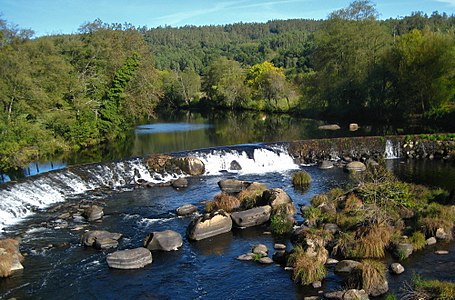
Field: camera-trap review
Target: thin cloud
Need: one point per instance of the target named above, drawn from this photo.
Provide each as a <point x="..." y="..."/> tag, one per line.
<point x="450" y="2"/>
<point x="269" y="4"/>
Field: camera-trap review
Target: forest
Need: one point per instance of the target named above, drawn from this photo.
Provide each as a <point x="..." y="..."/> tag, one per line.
<point x="65" y="93"/>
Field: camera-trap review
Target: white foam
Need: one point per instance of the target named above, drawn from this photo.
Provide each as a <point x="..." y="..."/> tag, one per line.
<point x="391" y="151"/>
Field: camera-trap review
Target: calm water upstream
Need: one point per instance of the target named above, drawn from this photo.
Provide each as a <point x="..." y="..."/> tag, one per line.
<point x="56" y="266"/>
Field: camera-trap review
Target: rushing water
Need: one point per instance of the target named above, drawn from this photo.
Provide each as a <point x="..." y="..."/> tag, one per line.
<point x="56" y="266"/>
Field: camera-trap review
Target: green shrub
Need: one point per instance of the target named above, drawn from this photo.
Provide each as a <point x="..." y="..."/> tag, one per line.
<point x="306" y="269"/>
<point x="371" y="241"/>
<point x="417" y="240"/>
<point x="281" y="224"/>
<point x="301" y="179"/>
<point x="368" y="275"/>
<point x="313" y="215"/>
<point x="318" y="200"/>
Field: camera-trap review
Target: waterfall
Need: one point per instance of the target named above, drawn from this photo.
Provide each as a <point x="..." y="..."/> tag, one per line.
<point x="250" y="160"/>
<point x="392" y="151"/>
<point x="21" y="199"/>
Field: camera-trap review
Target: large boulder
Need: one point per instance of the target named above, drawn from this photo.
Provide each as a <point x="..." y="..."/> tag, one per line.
<point x="93" y="213"/>
<point x="346" y="266"/>
<point x="275" y="198"/>
<point x="233" y="185"/>
<point x="10" y="257"/>
<point x="186" y="210"/>
<point x="252" y="217"/>
<point x="129" y="259"/>
<point x="354" y="294"/>
<point x="166" y="240"/>
<point x="209" y="225"/>
<point x="356" y="166"/>
<point x="190" y="165"/>
<point x="100" y="239"/>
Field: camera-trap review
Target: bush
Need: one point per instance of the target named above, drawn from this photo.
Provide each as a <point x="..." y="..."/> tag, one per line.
<point x="306" y="269"/>
<point x="318" y="200"/>
<point x="417" y="240"/>
<point x="281" y="224"/>
<point x="226" y="202"/>
<point x="312" y="215"/>
<point x="301" y="179"/>
<point x="372" y="241"/>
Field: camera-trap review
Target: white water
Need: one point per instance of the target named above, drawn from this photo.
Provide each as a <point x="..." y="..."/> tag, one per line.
<point x="392" y="151"/>
<point x="261" y="161"/>
<point x="22" y="199"/>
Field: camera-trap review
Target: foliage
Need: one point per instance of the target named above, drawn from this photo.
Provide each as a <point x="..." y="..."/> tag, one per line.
<point x="428" y="289"/>
<point x="226" y="202"/>
<point x="436" y="216"/>
<point x="417" y="240"/>
<point x="369" y="275"/>
<point x="306" y="269"/>
<point x="371" y="241"/>
<point x="318" y="200"/>
<point x="301" y="179"/>
<point x="312" y="215"/>
<point x="281" y="224"/>
<point x="250" y="197"/>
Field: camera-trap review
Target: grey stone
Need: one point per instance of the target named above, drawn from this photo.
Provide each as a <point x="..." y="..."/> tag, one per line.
<point x="441" y="252"/>
<point x="330" y="127"/>
<point x="209" y="225"/>
<point x="265" y="260"/>
<point x="166" y="240"/>
<point x="379" y="289"/>
<point x="186" y="210"/>
<point x="180" y="183"/>
<point x="336" y="295"/>
<point x="10" y="254"/>
<point x="325" y="165"/>
<point x="346" y="266"/>
<point x="100" y="239"/>
<point x="279" y="246"/>
<point x="129" y="259"/>
<point x="93" y="213"/>
<point x="235" y="166"/>
<point x="331" y="261"/>
<point x="233" y="185"/>
<point x="260" y="249"/>
<point x="311" y="298"/>
<point x="396" y="268"/>
<point x="246" y="257"/>
<point x="355" y="295"/>
<point x="403" y="250"/>
<point x="190" y="165"/>
<point x="328" y="208"/>
<point x="353" y="127"/>
<point x="431" y="241"/>
<point x="317" y="284"/>
<point x="356" y="166"/>
<point x="276" y="197"/>
<point x="252" y="217"/>
<point x="442" y="234"/>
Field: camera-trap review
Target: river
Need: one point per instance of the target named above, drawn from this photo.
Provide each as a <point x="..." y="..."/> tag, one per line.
<point x="56" y="266"/>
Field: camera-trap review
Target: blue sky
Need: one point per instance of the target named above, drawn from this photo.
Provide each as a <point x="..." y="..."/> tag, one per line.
<point x="65" y="16"/>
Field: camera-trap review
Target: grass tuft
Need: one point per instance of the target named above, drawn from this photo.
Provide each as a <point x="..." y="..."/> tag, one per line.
<point x="281" y="224"/>
<point x="301" y="179"/>
<point x="306" y="269"/>
<point x="417" y="240"/>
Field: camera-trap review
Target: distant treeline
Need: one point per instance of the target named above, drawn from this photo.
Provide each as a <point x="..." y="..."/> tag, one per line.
<point x="68" y="92"/>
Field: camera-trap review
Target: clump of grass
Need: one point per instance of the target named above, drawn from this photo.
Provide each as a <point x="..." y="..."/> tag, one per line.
<point x="210" y="206"/>
<point x="281" y="224"/>
<point x="225" y="202"/>
<point x="306" y="269"/>
<point x="318" y="200"/>
<point x="371" y="241"/>
<point x="352" y="203"/>
<point x="312" y="215"/>
<point x="301" y="179"/>
<point x="344" y="244"/>
<point x="250" y="197"/>
<point x="369" y="275"/>
<point x="417" y="240"/>
<point x="438" y="216"/>
<point x="348" y="221"/>
<point x="335" y="193"/>
<point x="284" y="209"/>
<point x="428" y="289"/>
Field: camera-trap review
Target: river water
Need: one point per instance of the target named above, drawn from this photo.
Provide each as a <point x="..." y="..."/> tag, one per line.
<point x="56" y="266"/>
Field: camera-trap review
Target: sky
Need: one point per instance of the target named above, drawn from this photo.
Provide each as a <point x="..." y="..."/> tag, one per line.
<point x="47" y="17"/>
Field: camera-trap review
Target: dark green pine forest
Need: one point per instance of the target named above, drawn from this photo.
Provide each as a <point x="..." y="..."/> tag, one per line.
<point x="66" y="93"/>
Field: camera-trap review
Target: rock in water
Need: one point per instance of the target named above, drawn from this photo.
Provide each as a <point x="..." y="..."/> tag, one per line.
<point x="346" y="266"/>
<point x="353" y="127"/>
<point x="431" y="241"/>
<point x="276" y="197"/>
<point x="180" y="183"/>
<point x="356" y="166"/>
<point x="330" y="127"/>
<point x="325" y="165"/>
<point x="232" y="185"/>
<point x="100" y="239"/>
<point x="129" y="259"/>
<point x="93" y="213"/>
<point x="252" y="217"/>
<point x="209" y="225"/>
<point x="190" y="165"/>
<point x="167" y="240"/>
<point x="235" y="166"/>
<point x="10" y="257"/>
<point x="403" y="250"/>
<point x="186" y="210"/>
<point x="396" y="268"/>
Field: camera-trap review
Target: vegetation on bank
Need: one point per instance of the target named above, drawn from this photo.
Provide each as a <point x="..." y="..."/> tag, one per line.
<point x="70" y="92"/>
<point x="378" y="214"/>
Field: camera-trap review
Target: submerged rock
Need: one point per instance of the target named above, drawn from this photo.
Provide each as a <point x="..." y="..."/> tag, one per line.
<point x="180" y="183"/>
<point x="129" y="259"/>
<point x="252" y="217"/>
<point x="166" y="240"/>
<point x="209" y="225"/>
<point x="325" y="165"/>
<point x="186" y="210"/>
